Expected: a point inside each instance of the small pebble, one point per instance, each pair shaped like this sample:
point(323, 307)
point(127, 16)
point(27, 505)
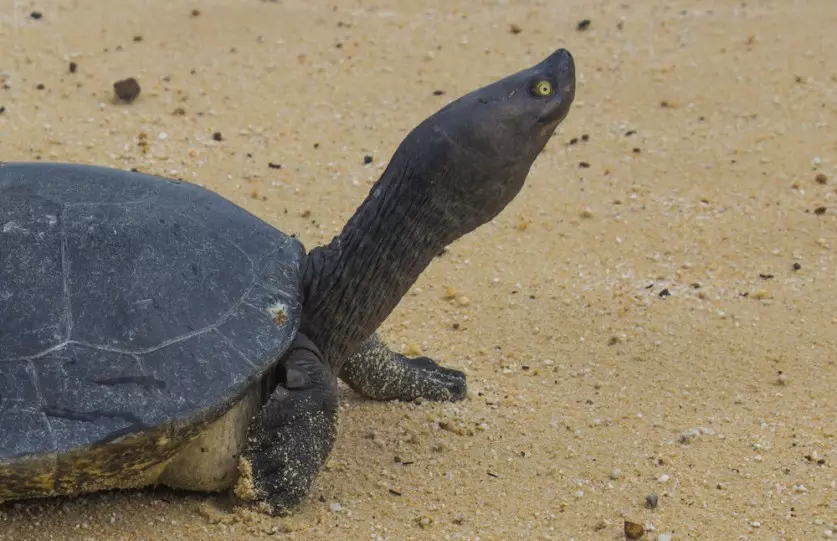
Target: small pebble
point(827, 533)
point(651, 501)
point(218, 136)
point(335, 507)
point(664, 537)
point(36, 15)
point(821, 178)
point(515, 29)
point(73, 67)
point(127, 90)
point(634, 530)
point(663, 478)
point(583, 25)
point(367, 159)
point(616, 474)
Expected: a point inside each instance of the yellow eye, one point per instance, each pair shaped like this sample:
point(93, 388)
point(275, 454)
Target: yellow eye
point(543, 88)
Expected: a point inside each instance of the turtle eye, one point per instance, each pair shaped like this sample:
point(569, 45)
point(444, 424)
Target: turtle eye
point(542, 88)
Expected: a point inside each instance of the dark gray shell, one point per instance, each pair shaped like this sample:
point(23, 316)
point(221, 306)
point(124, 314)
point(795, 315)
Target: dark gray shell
point(129, 301)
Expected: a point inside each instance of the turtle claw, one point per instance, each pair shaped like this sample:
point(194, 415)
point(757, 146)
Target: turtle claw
point(379, 373)
point(293, 434)
point(431, 380)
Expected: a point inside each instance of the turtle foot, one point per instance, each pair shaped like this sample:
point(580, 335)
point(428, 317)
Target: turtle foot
point(379, 373)
point(293, 434)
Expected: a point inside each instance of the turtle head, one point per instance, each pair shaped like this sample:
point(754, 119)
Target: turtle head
point(477, 151)
point(454, 172)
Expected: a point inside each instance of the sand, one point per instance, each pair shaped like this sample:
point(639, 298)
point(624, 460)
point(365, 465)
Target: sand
point(655, 313)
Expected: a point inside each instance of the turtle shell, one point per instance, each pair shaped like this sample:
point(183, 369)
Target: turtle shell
point(134, 310)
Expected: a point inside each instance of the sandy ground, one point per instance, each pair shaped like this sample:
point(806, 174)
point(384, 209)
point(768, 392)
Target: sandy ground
point(655, 313)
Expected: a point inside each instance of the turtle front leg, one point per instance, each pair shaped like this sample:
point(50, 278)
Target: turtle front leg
point(291, 438)
point(379, 373)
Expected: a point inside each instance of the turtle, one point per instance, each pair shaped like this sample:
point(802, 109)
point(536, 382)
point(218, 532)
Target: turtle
point(155, 333)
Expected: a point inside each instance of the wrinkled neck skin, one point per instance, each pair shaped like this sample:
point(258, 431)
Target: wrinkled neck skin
point(352, 284)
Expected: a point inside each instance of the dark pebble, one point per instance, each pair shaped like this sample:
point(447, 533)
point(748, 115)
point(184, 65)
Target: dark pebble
point(137, 39)
point(637, 150)
point(573, 141)
point(583, 165)
point(73, 67)
point(196, 12)
point(819, 211)
point(217, 136)
point(651, 501)
point(127, 90)
point(40, 86)
point(515, 29)
point(630, 132)
point(583, 25)
point(37, 15)
point(797, 266)
point(585, 137)
point(2, 109)
point(821, 179)
point(665, 293)
point(438, 92)
point(274, 165)
point(367, 159)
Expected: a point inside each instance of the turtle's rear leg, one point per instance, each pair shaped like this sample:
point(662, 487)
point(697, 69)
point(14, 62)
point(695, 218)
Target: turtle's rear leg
point(291, 437)
point(379, 373)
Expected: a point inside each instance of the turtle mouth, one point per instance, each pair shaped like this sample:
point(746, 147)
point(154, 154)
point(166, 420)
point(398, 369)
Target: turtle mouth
point(558, 110)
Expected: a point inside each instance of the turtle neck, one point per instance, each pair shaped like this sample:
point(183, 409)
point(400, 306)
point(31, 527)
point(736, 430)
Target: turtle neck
point(353, 283)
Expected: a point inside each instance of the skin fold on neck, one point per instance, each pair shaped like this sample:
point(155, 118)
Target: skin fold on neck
point(352, 284)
